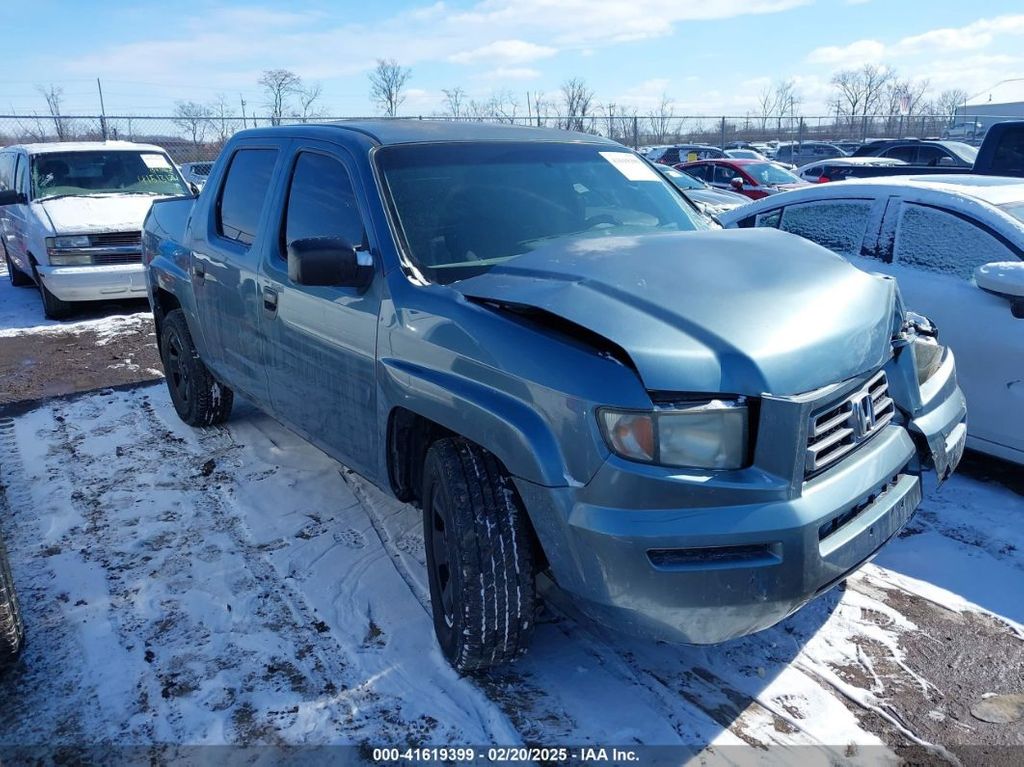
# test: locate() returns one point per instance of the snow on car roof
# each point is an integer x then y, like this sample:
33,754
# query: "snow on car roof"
84,146
996,190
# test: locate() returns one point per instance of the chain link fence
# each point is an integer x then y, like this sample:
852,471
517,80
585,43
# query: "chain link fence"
193,140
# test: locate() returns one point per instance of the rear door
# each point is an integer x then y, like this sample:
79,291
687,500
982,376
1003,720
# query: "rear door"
225,258
933,253
322,341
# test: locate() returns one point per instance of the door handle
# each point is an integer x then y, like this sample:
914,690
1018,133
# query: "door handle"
270,300
199,270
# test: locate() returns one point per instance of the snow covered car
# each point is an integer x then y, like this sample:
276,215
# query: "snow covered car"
534,337
955,244
12,631
71,216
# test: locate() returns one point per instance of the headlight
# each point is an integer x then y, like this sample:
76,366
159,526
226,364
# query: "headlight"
928,354
70,259
63,243
705,435
924,340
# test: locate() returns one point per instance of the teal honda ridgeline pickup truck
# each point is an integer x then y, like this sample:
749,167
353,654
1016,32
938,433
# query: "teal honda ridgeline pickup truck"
536,339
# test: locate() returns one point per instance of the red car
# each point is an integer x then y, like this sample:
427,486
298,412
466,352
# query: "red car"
753,178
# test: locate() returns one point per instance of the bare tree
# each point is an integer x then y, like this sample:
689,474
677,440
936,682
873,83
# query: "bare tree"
860,92
387,81
221,115
766,105
661,120
308,97
949,101
541,108
576,100
279,85
903,100
194,119
454,102
504,106
54,96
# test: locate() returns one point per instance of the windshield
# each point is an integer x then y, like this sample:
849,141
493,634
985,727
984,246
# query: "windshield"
1015,209
962,150
745,154
463,208
683,180
87,174
769,173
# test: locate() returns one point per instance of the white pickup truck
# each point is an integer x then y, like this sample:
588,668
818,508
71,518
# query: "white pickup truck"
71,217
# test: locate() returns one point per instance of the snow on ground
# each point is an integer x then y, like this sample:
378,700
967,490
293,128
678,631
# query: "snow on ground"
21,311
235,585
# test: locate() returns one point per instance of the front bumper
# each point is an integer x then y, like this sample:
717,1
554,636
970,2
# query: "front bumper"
94,283
649,551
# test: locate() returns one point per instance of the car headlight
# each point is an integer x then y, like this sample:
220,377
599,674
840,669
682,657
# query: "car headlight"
928,354
704,435
65,242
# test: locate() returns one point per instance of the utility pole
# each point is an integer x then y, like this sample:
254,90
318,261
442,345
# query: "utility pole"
103,111
244,123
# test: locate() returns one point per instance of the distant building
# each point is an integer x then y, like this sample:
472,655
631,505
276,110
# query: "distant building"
1003,101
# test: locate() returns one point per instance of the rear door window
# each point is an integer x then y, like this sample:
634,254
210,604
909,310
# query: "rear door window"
322,202
244,194
839,225
940,241
7,170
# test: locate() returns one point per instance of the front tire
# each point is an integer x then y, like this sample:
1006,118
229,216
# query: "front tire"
17,277
53,307
479,561
198,397
12,630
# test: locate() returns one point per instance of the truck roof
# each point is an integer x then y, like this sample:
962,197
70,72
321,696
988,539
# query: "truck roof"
83,146
411,131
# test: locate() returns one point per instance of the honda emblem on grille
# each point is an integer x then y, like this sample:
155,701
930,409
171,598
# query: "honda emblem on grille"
862,412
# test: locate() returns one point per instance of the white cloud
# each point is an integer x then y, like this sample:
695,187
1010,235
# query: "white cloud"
510,73
953,40
508,51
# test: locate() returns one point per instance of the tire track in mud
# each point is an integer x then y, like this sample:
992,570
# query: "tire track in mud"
284,606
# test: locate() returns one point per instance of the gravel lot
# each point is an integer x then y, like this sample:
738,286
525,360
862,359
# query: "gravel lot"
235,585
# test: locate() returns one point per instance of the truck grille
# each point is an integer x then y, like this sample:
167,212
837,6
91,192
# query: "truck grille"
106,259
843,427
115,239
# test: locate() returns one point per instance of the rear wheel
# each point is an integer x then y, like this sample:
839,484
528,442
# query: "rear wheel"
12,631
17,277
479,562
53,307
199,399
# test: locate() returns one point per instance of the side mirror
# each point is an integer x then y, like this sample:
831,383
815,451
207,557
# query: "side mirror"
11,197
194,188
947,162
736,183
1006,279
329,262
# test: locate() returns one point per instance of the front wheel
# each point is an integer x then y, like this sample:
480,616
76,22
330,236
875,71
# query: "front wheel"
479,562
53,307
199,399
17,277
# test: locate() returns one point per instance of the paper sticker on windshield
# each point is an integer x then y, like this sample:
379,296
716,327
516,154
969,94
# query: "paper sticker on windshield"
155,161
630,166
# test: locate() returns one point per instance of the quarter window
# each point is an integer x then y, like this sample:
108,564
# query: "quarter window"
939,241
244,194
322,202
838,225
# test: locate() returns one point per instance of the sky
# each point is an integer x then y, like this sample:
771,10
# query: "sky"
709,57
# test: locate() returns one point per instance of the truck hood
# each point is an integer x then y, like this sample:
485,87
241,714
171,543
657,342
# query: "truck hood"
88,215
751,311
